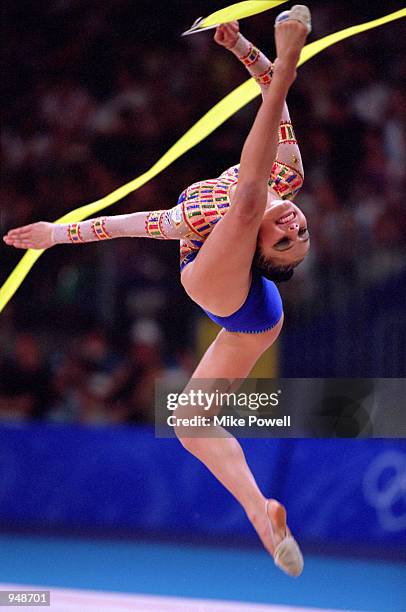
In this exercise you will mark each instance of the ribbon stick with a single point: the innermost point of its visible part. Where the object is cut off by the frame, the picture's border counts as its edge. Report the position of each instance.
(215, 117)
(231, 13)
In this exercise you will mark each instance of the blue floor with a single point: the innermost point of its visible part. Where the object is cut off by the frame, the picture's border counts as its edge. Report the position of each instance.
(201, 572)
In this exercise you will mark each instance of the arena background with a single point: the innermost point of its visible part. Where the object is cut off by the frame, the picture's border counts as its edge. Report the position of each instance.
(93, 94)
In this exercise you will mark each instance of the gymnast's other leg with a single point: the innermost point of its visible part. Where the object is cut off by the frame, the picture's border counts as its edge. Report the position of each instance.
(222, 454)
(216, 447)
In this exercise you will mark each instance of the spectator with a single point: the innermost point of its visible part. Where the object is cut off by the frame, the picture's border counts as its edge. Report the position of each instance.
(24, 380)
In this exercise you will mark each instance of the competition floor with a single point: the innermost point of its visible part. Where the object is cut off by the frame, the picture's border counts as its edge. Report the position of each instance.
(101, 575)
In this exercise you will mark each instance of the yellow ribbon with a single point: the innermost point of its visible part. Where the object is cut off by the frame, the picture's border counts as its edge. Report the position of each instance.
(233, 12)
(222, 111)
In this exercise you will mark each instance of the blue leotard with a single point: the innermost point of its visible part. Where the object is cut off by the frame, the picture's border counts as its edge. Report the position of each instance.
(260, 312)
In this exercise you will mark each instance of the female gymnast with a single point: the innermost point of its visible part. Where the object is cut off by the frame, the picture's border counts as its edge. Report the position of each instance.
(229, 268)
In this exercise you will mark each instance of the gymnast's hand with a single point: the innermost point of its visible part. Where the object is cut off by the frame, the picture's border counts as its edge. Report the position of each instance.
(227, 34)
(34, 236)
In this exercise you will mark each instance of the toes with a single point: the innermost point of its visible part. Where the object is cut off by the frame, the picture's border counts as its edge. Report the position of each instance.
(288, 557)
(19, 244)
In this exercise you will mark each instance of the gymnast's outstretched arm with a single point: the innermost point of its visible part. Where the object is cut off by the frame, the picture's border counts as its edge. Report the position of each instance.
(161, 224)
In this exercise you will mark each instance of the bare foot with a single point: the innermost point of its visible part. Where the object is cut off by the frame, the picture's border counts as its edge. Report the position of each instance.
(287, 555)
(277, 516)
(276, 537)
(270, 524)
(291, 33)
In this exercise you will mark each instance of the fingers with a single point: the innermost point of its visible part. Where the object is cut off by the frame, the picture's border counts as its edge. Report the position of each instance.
(219, 34)
(33, 236)
(24, 230)
(18, 244)
(230, 28)
(231, 25)
(21, 245)
(227, 34)
(11, 238)
(19, 237)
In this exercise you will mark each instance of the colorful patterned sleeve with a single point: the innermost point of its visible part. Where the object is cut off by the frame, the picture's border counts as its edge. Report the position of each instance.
(285, 180)
(287, 172)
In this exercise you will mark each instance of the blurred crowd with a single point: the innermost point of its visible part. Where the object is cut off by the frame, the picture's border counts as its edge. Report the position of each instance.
(86, 380)
(94, 94)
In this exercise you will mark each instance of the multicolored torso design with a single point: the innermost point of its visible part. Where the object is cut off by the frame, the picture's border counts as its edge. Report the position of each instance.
(203, 204)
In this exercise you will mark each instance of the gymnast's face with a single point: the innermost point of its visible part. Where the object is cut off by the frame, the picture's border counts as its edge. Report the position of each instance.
(283, 236)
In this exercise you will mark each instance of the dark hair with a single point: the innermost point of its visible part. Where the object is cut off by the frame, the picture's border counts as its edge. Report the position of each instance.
(276, 273)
